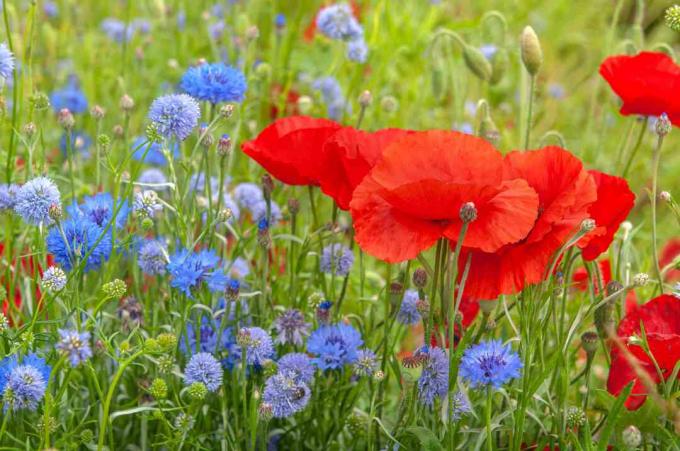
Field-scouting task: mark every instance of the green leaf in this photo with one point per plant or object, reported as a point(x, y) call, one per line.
point(122, 413)
point(613, 417)
point(428, 440)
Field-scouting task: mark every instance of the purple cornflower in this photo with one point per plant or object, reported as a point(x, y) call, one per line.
point(490, 363)
point(357, 50)
point(298, 365)
point(152, 257)
point(34, 199)
point(334, 345)
point(204, 368)
point(54, 279)
point(434, 379)
point(338, 22)
point(285, 394)
point(75, 346)
point(153, 178)
point(8, 196)
point(336, 259)
point(408, 313)
point(459, 406)
point(23, 384)
point(258, 345)
point(366, 363)
point(291, 327)
point(117, 30)
point(175, 115)
point(247, 195)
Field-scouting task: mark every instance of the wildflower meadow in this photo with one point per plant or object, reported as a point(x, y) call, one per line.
point(352, 225)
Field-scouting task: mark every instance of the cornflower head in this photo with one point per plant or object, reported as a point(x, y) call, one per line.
point(338, 22)
point(70, 97)
point(490, 363)
point(99, 209)
point(146, 203)
point(357, 50)
point(152, 257)
point(204, 368)
point(336, 259)
point(23, 384)
point(297, 365)
point(175, 115)
point(8, 196)
point(334, 345)
point(214, 83)
point(434, 378)
point(332, 96)
point(54, 279)
point(80, 238)
point(75, 346)
point(6, 62)
point(154, 178)
point(190, 269)
point(34, 199)
point(366, 363)
point(117, 30)
point(291, 327)
point(258, 345)
point(408, 312)
point(285, 394)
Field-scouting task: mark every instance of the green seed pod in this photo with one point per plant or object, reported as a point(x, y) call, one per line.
point(198, 391)
point(532, 55)
point(673, 18)
point(477, 63)
point(499, 64)
point(159, 389)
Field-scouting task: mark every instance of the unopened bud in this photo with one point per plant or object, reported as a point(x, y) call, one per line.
point(365, 98)
point(224, 145)
point(265, 411)
point(305, 104)
point(631, 437)
point(126, 103)
point(665, 196)
point(499, 64)
point(640, 280)
point(589, 342)
point(532, 55)
point(118, 131)
point(576, 417)
point(252, 33)
point(673, 18)
point(267, 186)
point(468, 212)
point(293, 206)
point(477, 63)
point(224, 215)
point(587, 225)
point(30, 129)
point(613, 286)
point(55, 212)
point(420, 278)
point(663, 125)
point(66, 119)
point(226, 111)
point(97, 112)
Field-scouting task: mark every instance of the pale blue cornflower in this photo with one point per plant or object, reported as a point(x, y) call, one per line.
point(175, 115)
point(34, 200)
point(205, 369)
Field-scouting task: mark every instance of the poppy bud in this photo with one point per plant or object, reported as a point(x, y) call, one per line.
point(477, 63)
point(499, 64)
point(488, 130)
point(631, 437)
point(263, 71)
point(663, 125)
point(420, 278)
point(468, 212)
point(532, 55)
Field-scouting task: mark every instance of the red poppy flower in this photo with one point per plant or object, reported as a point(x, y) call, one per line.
point(661, 320)
point(614, 202)
point(646, 83)
point(669, 252)
point(565, 192)
point(348, 156)
point(290, 148)
point(413, 196)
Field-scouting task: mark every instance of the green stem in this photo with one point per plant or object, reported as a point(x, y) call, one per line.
point(527, 132)
point(655, 176)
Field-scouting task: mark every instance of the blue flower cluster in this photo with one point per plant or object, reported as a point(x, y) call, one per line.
point(338, 22)
point(336, 259)
point(214, 83)
point(35, 198)
point(23, 383)
point(408, 312)
point(191, 269)
point(334, 345)
point(175, 115)
point(490, 363)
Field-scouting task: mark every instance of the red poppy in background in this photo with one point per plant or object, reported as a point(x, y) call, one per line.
point(30, 268)
point(469, 309)
point(614, 202)
point(310, 31)
point(413, 196)
point(290, 106)
point(647, 83)
point(661, 320)
point(669, 252)
point(348, 156)
point(290, 148)
point(565, 191)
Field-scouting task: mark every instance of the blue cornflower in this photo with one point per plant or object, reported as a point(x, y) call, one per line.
point(8, 196)
point(247, 195)
point(459, 406)
point(258, 212)
point(331, 92)
point(155, 153)
point(146, 203)
point(34, 199)
point(6, 62)
point(214, 83)
point(74, 345)
point(366, 363)
point(189, 269)
point(153, 178)
point(70, 97)
point(99, 209)
point(291, 327)
point(286, 395)
point(50, 9)
point(54, 279)
point(152, 257)
point(408, 313)
point(80, 143)
point(434, 379)
point(490, 363)
point(334, 345)
point(280, 20)
point(23, 384)
point(336, 259)
point(338, 22)
point(204, 368)
point(488, 50)
point(298, 365)
point(117, 30)
point(175, 115)
point(81, 236)
point(357, 50)
point(258, 345)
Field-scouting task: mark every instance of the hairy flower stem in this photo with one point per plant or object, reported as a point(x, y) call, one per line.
point(527, 132)
point(633, 153)
point(656, 158)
